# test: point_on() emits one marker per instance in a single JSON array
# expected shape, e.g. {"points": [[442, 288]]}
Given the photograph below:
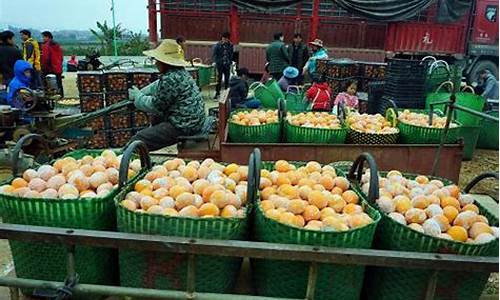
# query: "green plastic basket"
{"points": [[363, 138], [264, 94], [470, 135], [286, 279], [147, 269], [411, 134], [299, 134], [403, 283], [44, 261], [295, 101], [268, 133], [488, 137]]}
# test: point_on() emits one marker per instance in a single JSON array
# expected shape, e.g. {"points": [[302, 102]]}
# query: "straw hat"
{"points": [[317, 42], [168, 52]]}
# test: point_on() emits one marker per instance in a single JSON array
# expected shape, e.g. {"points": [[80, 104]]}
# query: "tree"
{"points": [[135, 44], [104, 34]]}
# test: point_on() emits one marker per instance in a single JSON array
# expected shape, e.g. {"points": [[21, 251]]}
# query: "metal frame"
{"points": [[226, 248]]}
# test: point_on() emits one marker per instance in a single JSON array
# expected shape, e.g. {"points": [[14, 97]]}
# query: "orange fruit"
{"points": [[454, 190], [416, 227], [337, 203], [229, 212], [450, 201], [337, 191], [433, 199], [299, 221], [350, 197], [243, 171], [151, 176], [155, 210], [342, 183], [420, 201], [142, 184], [335, 223], [37, 184], [415, 215], [189, 211], [352, 208], [483, 219], [402, 203], [471, 207], [266, 205], [422, 179], [230, 169], [304, 191], [327, 212], [207, 192], [457, 233], [450, 212], [282, 179], [307, 182], [184, 199], [190, 174], [287, 218], [129, 204], [208, 209], [314, 225], [147, 202], [327, 182], [282, 166], [273, 214], [289, 191], [313, 166], [465, 219], [359, 220], [478, 228], [168, 211], [146, 192], [311, 212], [220, 198], [19, 183], [317, 199], [297, 206], [267, 192], [200, 185]]}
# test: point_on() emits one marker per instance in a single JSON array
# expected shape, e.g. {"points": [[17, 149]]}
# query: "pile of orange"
{"points": [[314, 120], [197, 190], [430, 207], [255, 117], [422, 120], [366, 123], [312, 197], [70, 178]]}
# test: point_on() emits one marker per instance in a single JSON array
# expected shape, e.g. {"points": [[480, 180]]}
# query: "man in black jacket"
{"points": [[299, 54], [238, 91], [223, 58], [9, 54]]}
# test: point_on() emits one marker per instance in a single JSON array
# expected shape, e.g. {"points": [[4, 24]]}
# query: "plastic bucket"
{"points": [[488, 136], [275, 89], [265, 96], [470, 134]]}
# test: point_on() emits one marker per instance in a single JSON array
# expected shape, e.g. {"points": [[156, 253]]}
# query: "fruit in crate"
{"points": [[70, 178], [431, 207], [255, 117], [312, 197], [366, 123], [422, 119], [195, 189], [314, 120]]}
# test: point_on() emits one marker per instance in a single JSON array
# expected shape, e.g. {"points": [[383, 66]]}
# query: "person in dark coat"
{"points": [[299, 55], [9, 54], [277, 56], [490, 85], [223, 58], [238, 91]]}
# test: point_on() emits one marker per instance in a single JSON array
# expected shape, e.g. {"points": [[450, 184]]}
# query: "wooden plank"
{"points": [[234, 248]]}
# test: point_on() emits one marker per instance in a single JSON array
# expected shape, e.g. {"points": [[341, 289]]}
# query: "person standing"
{"points": [[318, 52], [490, 85], [277, 56], [52, 59], [31, 54], [223, 58], [9, 54], [299, 54]]}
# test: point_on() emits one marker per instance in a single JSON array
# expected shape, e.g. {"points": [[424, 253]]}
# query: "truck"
{"points": [[471, 39]]}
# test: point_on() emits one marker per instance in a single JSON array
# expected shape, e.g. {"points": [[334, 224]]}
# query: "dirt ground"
{"points": [[483, 161]]}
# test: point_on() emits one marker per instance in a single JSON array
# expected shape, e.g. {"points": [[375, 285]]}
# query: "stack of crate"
{"points": [[100, 89]]}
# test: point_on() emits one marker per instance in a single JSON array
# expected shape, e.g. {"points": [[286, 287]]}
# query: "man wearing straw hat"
{"points": [[175, 98]]}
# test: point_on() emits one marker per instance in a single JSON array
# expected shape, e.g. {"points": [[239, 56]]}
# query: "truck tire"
{"points": [[473, 76]]}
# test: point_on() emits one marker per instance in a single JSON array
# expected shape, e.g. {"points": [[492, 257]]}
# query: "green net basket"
{"points": [[295, 101], [286, 279], [488, 137], [412, 134], [44, 261], [363, 138], [149, 269], [267, 133], [299, 134], [404, 283]]}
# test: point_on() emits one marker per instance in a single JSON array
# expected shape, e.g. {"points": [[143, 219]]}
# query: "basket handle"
{"points": [[254, 166], [437, 63], [197, 59], [297, 89], [136, 146], [479, 178], [428, 57], [391, 116], [22, 142], [470, 88], [373, 192], [443, 84], [255, 85]]}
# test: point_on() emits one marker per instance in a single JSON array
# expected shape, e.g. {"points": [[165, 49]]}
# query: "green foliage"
{"points": [[104, 34]]}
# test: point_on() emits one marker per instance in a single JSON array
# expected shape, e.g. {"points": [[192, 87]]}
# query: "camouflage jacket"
{"points": [[177, 98]]}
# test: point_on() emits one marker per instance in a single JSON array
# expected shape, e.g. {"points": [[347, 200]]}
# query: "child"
{"points": [[319, 95], [348, 98], [289, 77], [238, 91], [23, 72]]}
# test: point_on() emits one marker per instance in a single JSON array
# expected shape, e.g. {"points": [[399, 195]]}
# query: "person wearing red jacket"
{"points": [[319, 94], [52, 59]]}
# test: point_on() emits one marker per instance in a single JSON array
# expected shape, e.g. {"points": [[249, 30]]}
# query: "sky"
{"points": [[72, 14]]}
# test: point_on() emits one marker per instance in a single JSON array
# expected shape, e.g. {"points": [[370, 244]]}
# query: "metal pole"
{"points": [[444, 135], [115, 50]]}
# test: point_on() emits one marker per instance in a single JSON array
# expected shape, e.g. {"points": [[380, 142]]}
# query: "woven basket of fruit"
{"points": [[310, 204], [315, 128], [371, 129], [185, 199], [254, 126], [429, 214], [75, 191], [415, 128]]}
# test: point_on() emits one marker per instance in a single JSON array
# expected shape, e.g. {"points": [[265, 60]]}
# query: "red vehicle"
{"points": [[474, 37]]}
